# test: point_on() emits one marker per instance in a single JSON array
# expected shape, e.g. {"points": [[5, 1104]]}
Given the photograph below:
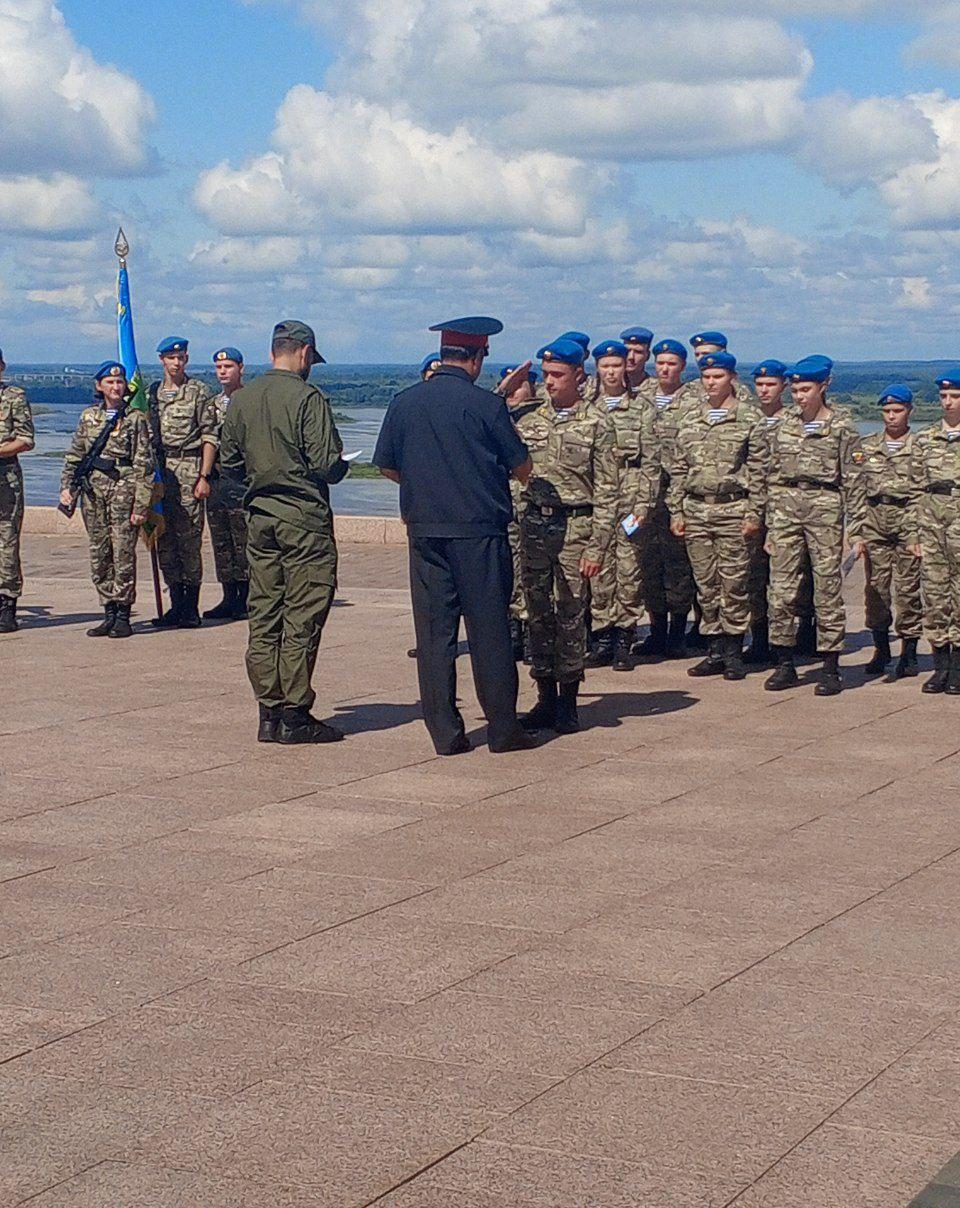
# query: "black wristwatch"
{"points": [[205, 477]]}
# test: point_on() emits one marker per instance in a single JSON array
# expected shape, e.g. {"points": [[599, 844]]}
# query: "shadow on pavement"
{"points": [[34, 616], [374, 715], [608, 709]]}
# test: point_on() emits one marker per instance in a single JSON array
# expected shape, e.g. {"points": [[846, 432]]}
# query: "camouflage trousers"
{"points": [[179, 547], [228, 536], [518, 601], [760, 582], [616, 594], [806, 523], [11, 522], [113, 541], [940, 568], [550, 550], [720, 556], [664, 566], [892, 572]]}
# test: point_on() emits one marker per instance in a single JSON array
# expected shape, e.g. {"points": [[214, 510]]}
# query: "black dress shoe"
{"points": [[298, 726], [460, 747], [519, 741]]}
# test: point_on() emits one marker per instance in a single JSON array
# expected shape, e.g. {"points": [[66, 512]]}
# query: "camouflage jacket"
{"points": [[636, 452], [186, 421], [833, 455], [935, 460], [741, 389], [129, 446], [889, 473], [666, 422], [723, 457], [16, 421], [574, 464]]}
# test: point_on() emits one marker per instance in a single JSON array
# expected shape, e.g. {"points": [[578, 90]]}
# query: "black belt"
{"points": [[942, 488], [720, 496], [893, 501], [181, 451], [106, 465], [812, 484], [561, 509]]}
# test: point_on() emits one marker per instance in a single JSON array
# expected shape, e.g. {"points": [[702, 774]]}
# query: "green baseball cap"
{"points": [[293, 329]]}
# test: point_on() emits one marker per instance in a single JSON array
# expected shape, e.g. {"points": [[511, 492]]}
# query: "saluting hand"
{"points": [[514, 380]]}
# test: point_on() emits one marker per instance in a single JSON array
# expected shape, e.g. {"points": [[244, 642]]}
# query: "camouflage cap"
{"points": [[293, 329]]}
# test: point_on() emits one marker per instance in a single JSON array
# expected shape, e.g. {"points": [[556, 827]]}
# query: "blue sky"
{"points": [[794, 180]]}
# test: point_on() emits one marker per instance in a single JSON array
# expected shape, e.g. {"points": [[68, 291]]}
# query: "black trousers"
{"points": [[469, 577]]}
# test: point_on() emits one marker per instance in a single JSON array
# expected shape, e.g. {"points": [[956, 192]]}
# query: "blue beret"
{"points": [[432, 358], [228, 354], [108, 369], [708, 337], [771, 368], [672, 346], [637, 335], [719, 360], [897, 393], [610, 348], [578, 337], [567, 352], [950, 380], [172, 344], [811, 369], [533, 376]]}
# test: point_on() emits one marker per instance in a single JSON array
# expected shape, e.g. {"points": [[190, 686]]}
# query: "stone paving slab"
{"points": [[704, 953]]}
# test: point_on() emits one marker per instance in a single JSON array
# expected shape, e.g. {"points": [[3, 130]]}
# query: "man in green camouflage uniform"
{"points": [[638, 341], [890, 533], [519, 403], [565, 529], [936, 477], [115, 498], [185, 434], [815, 482], [668, 586], [716, 499], [225, 515], [617, 592], [16, 437]]}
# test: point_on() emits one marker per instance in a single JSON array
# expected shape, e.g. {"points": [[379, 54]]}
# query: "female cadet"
{"points": [[226, 518], [114, 496], [936, 469]]}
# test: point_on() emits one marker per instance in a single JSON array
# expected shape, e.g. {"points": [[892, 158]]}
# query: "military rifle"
{"points": [[93, 460]]}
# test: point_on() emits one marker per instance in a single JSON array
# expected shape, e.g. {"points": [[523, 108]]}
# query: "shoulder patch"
{"points": [[857, 457]]}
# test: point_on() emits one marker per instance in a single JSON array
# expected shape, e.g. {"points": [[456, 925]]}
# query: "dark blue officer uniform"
{"points": [[454, 446]]}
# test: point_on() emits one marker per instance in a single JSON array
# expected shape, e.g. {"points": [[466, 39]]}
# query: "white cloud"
{"points": [[57, 205], [239, 257], [927, 195]]}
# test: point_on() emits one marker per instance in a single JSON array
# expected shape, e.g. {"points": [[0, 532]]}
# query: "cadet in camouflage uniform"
{"points": [[519, 403], [565, 529], [16, 437], [936, 474], [617, 592], [891, 536], [815, 480], [668, 586], [185, 434], [638, 341], [115, 498], [716, 499], [225, 515]]}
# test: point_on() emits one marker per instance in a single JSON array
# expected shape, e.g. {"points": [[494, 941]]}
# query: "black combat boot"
{"points": [[8, 614], [713, 664], [953, 674], [226, 609], [543, 715], [907, 662], [785, 675], [759, 653], [242, 587], [830, 682], [568, 720], [297, 726], [601, 652], [676, 647], [190, 609], [733, 668], [654, 645], [269, 727], [121, 622], [516, 638], [941, 670], [622, 646], [807, 637], [171, 618], [103, 629], [881, 653]]}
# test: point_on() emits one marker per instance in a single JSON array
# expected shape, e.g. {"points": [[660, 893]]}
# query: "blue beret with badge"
{"points": [[228, 354], [718, 360], [708, 337], [611, 348], [172, 344], [562, 351], [637, 335], [674, 347], [950, 380], [109, 369], [812, 369], [897, 393], [771, 368]]}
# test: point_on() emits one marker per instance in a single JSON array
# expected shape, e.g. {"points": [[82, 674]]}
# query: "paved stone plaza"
{"points": [[706, 952]]}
